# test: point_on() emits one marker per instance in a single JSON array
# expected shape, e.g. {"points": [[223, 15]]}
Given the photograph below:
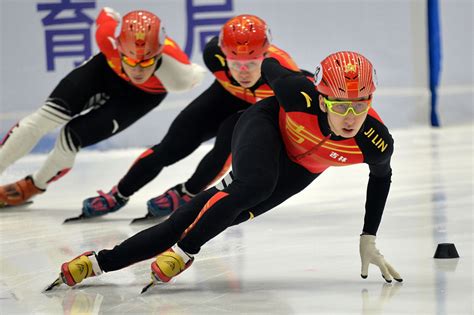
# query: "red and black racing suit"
{"points": [[214, 113], [279, 147], [101, 97]]}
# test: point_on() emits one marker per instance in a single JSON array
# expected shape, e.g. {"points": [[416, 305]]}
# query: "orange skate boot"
{"points": [[19, 192]]}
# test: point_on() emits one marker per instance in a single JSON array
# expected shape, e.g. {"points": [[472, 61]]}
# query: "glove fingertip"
{"points": [[388, 280], [363, 276], [399, 279]]}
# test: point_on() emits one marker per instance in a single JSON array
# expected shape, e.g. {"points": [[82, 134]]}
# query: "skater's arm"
{"points": [[176, 72], [106, 23], [377, 193], [377, 146], [293, 90]]}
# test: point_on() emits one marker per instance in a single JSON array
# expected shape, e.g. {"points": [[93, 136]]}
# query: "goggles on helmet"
{"points": [[142, 63], [244, 65], [342, 108]]}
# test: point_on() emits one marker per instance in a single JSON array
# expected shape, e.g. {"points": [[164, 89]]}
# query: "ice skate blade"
{"points": [[148, 218], [154, 283], [83, 218], [7, 206], [53, 285], [75, 219], [145, 288]]}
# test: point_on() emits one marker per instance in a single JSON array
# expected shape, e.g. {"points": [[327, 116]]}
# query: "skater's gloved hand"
{"points": [[112, 13], [369, 254]]}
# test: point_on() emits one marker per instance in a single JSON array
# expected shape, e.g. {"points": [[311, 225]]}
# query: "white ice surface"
{"points": [[300, 258]]}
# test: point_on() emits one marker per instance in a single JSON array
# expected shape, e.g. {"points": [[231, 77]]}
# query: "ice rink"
{"points": [[300, 258]]}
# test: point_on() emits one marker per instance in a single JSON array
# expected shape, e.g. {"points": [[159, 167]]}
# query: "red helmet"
{"points": [[345, 74], [244, 37], [142, 35]]}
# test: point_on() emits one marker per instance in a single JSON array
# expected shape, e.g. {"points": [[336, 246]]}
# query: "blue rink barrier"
{"points": [[434, 46]]}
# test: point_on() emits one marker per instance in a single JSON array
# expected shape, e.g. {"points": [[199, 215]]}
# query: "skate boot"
{"points": [[104, 203], [82, 267], [19, 192], [170, 263], [168, 202]]}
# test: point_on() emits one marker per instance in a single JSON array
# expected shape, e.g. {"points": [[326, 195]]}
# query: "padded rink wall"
{"points": [[42, 40]]}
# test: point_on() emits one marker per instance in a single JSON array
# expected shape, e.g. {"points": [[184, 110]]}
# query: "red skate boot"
{"points": [[165, 204]]}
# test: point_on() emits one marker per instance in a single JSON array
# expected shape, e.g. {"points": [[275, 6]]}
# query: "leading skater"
{"points": [[279, 147], [128, 78], [235, 60]]}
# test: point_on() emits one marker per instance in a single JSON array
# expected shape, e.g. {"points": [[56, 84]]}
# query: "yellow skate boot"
{"points": [[82, 267], [170, 263]]}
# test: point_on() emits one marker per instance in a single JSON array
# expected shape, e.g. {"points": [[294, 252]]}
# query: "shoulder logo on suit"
{"points": [[221, 59], [308, 99]]}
